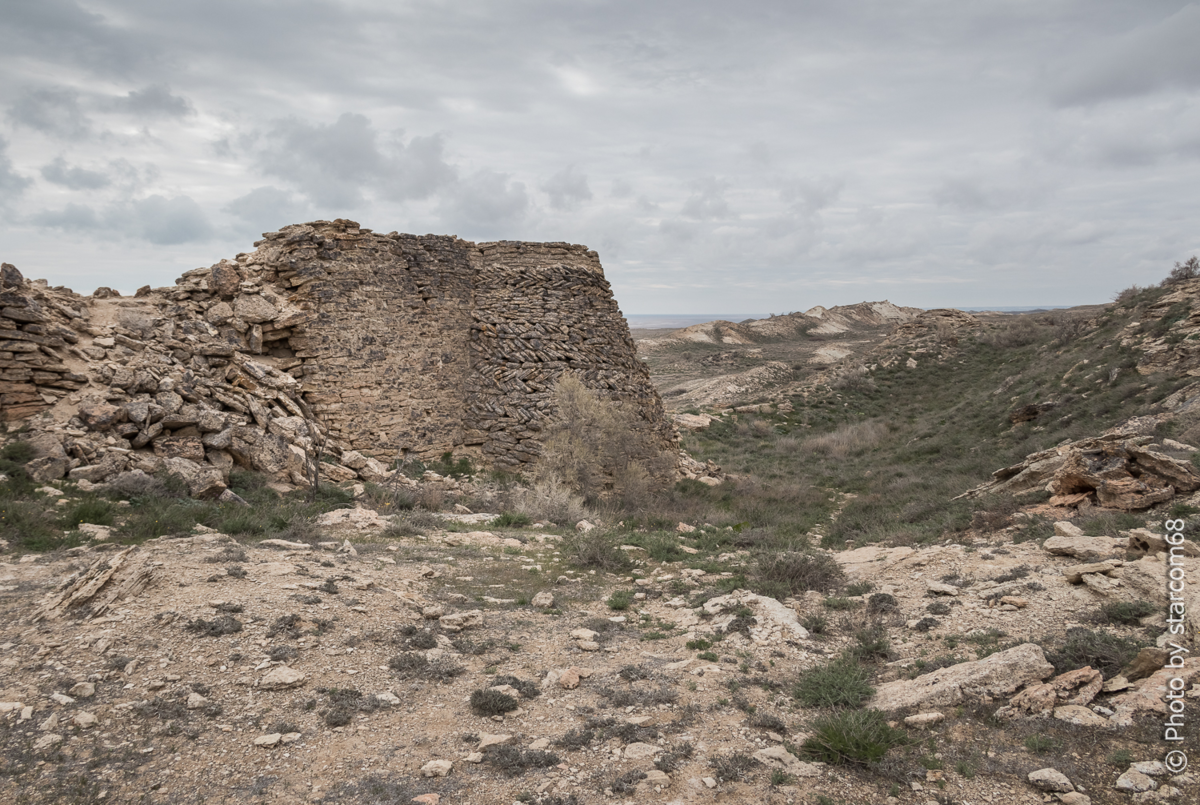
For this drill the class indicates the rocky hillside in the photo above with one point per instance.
(479, 664)
(935, 572)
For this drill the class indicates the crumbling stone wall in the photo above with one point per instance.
(389, 345)
(34, 329)
(419, 345)
(542, 309)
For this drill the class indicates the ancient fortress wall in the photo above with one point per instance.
(392, 345)
(419, 345)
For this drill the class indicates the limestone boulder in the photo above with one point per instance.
(189, 447)
(1150, 694)
(997, 675)
(1146, 579)
(203, 481)
(224, 279)
(1148, 660)
(1088, 548)
(47, 469)
(281, 677)
(254, 309)
(458, 621)
(100, 415)
(267, 453)
(111, 464)
(1050, 780)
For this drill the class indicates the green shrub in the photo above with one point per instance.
(815, 623)
(838, 602)
(447, 465)
(620, 600)
(18, 452)
(852, 736)
(1107, 653)
(27, 526)
(840, 683)
(1120, 759)
(870, 644)
(661, 546)
(1128, 613)
(511, 520)
(1040, 744)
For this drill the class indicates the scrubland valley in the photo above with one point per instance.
(895, 556)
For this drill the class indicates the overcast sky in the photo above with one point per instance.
(721, 156)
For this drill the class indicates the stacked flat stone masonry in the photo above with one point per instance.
(35, 333)
(379, 346)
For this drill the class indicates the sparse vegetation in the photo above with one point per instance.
(840, 683)
(1107, 653)
(1127, 613)
(489, 702)
(873, 455)
(786, 573)
(852, 736)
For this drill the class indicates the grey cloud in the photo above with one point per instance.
(265, 209)
(759, 153)
(71, 218)
(1144, 60)
(484, 204)
(73, 177)
(682, 231)
(419, 169)
(11, 183)
(169, 221)
(1127, 133)
(1027, 238)
(157, 219)
(708, 200)
(1007, 188)
(333, 164)
(645, 205)
(965, 194)
(621, 189)
(567, 189)
(813, 192)
(63, 30)
(51, 111)
(155, 100)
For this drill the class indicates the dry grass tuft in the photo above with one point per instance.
(849, 439)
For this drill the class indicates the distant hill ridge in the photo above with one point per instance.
(818, 320)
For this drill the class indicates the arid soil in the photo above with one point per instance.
(388, 639)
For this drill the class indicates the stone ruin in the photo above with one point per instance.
(380, 347)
